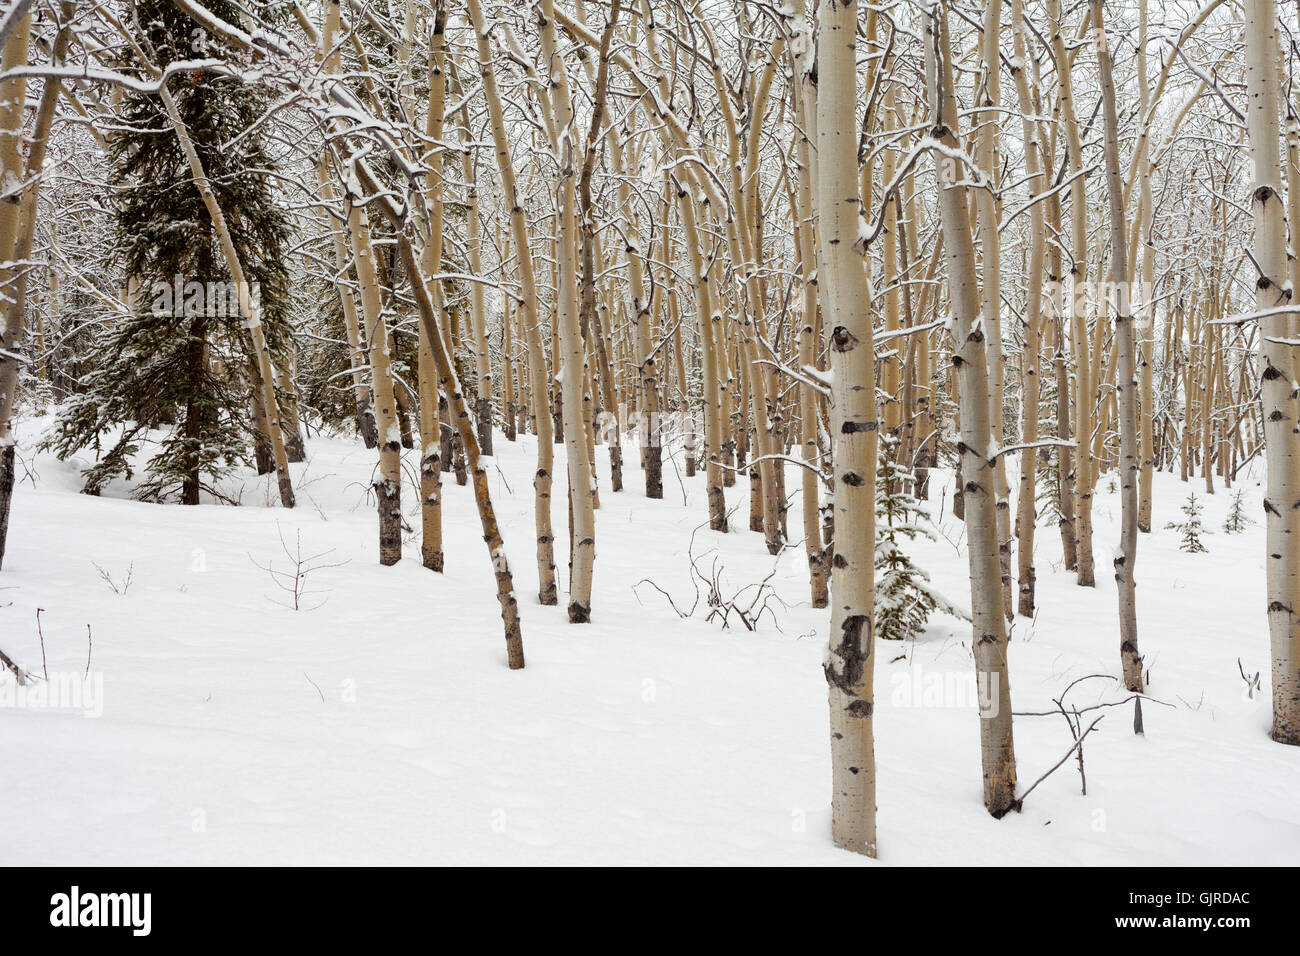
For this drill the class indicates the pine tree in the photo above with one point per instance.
(1236, 521)
(904, 597)
(181, 357)
(1190, 527)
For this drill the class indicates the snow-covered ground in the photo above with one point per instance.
(384, 727)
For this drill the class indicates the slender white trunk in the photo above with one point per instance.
(1125, 372)
(989, 638)
(850, 662)
(1278, 389)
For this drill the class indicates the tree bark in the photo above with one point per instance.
(539, 390)
(1125, 372)
(851, 660)
(989, 639)
(1273, 291)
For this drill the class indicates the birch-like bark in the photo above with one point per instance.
(709, 321)
(572, 372)
(477, 312)
(1125, 370)
(590, 324)
(1083, 383)
(970, 357)
(986, 209)
(1026, 515)
(538, 387)
(431, 553)
(13, 96)
(388, 480)
(365, 415)
(1272, 291)
(1146, 340)
(647, 370)
(804, 98)
(465, 427)
(851, 660)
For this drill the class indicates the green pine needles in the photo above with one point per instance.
(172, 372)
(905, 598)
(1190, 527)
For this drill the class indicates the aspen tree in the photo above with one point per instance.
(529, 319)
(851, 659)
(25, 203)
(13, 95)
(986, 208)
(647, 370)
(596, 335)
(1146, 341)
(510, 404)
(388, 481)
(465, 427)
(689, 450)
(709, 320)
(357, 360)
(749, 313)
(477, 309)
(970, 359)
(891, 372)
(365, 416)
(1029, 389)
(573, 370)
(1078, 302)
(1273, 292)
(431, 554)
(802, 209)
(1125, 370)
(295, 445)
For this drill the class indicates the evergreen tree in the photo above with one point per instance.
(1236, 521)
(1190, 527)
(904, 596)
(181, 358)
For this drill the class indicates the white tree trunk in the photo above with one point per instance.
(1273, 290)
(988, 637)
(851, 659)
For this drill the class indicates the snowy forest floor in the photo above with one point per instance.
(383, 726)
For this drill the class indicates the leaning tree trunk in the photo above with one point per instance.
(249, 310)
(538, 387)
(465, 427)
(1273, 292)
(989, 638)
(464, 423)
(850, 663)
